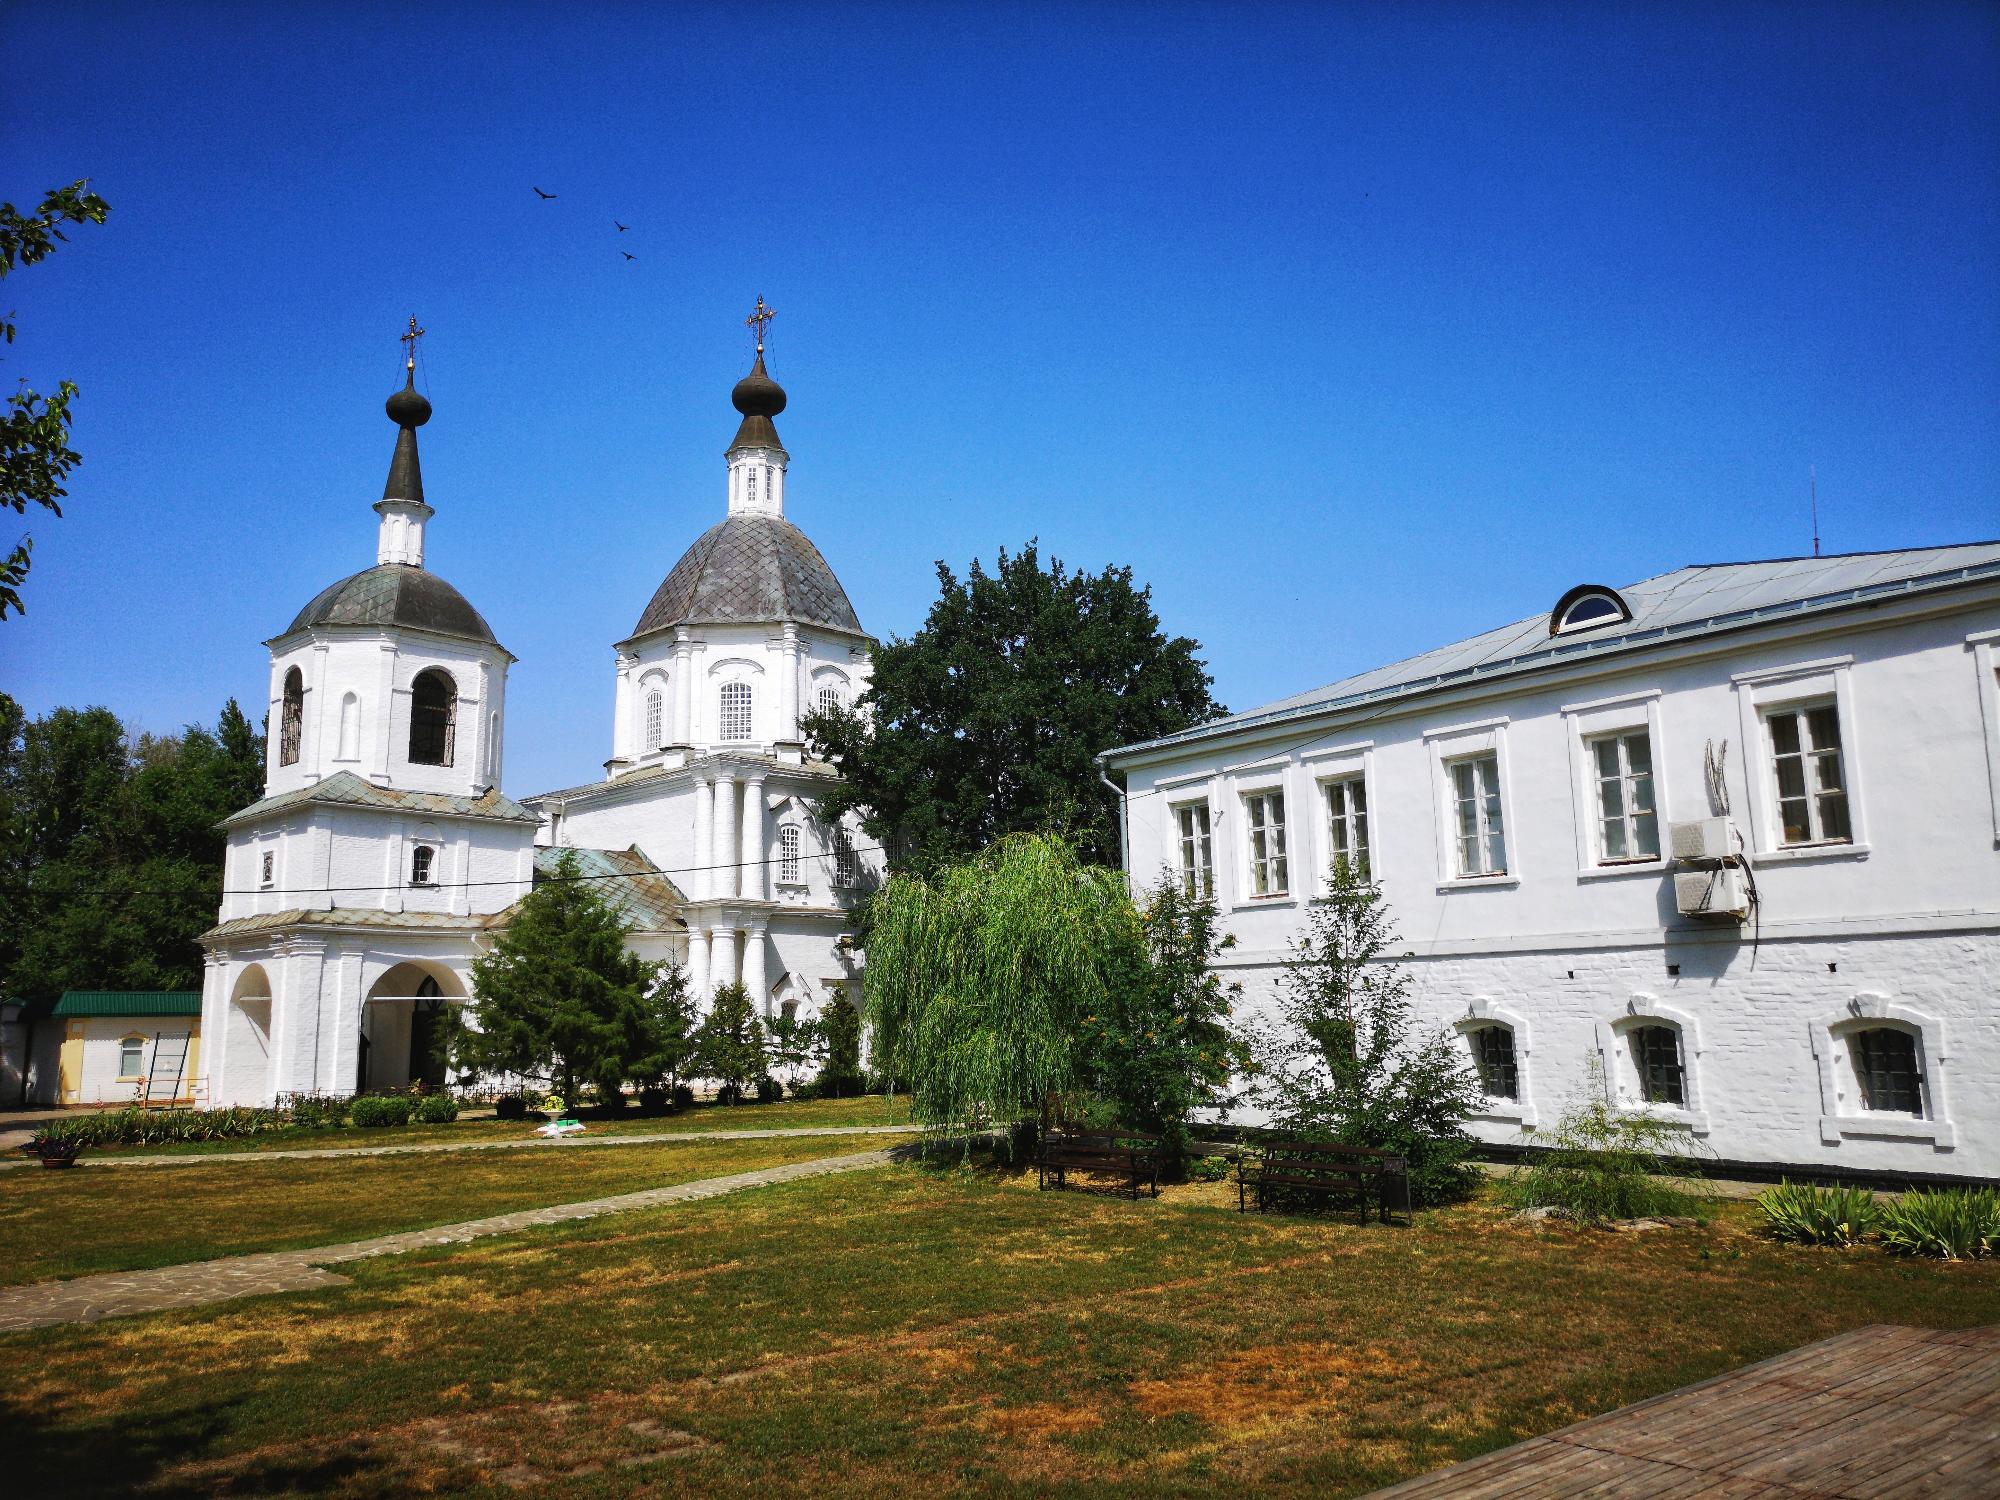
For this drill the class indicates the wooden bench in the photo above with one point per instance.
(1131, 1154)
(1313, 1168)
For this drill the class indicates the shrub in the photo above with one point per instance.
(1207, 1168)
(812, 1088)
(510, 1107)
(841, 1077)
(1602, 1164)
(372, 1110)
(1808, 1215)
(156, 1127)
(1952, 1223)
(769, 1090)
(318, 1111)
(683, 1096)
(611, 1098)
(436, 1109)
(653, 1100)
(729, 1093)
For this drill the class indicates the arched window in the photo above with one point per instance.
(350, 726)
(433, 714)
(1493, 1056)
(788, 854)
(1888, 1069)
(1656, 1059)
(845, 866)
(736, 719)
(830, 700)
(654, 737)
(1588, 606)
(422, 859)
(292, 718)
(131, 1056)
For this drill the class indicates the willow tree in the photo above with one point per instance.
(984, 981)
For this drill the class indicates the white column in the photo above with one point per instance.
(722, 958)
(624, 738)
(755, 977)
(698, 984)
(754, 884)
(788, 687)
(723, 876)
(683, 687)
(701, 880)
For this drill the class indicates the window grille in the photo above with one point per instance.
(829, 699)
(433, 716)
(654, 738)
(1482, 839)
(292, 718)
(1266, 817)
(1197, 851)
(1628, 824)
(845, 867)
(1347, 825)
(270, 860)
(421, 860)
(788, 855)
(736, 704)
(1493, 1055)
(1885, 1057)
(1812, 784)
(1656, 1055)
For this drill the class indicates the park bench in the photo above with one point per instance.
(1315, 1169)
(1131, 1154)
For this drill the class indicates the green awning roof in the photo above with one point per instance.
(128, 1003)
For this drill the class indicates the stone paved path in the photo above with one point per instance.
(573, 1142)
(118, 1294)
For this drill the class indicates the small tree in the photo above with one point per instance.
(674, 1024)
(561, 999)
(840, 1025)
(1161, 1045)
(796, 1045)
(731, 1045)
(1346, 1061)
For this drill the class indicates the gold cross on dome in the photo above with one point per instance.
(409, 343)
(756, 321)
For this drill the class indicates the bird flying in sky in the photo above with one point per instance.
(540, 194)
(621, 227)
(628, 254)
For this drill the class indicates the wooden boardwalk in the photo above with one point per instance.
(1877, 1414)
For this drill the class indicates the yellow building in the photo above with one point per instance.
(125, 1047)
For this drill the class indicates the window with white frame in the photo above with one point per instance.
(269, 868)
(654, 715)
(1889, 1070)
(131, 1056)
(1480, 835)
(736, 701)
(1627, 817)
(829, 699)
(1493, 1058)
(846, 868)
(1347, 824)
(788, 855)
(292, 718)
(1806, 768)
(1658, 1064)
(423, 860)
(1197, 850)
(1264, 820)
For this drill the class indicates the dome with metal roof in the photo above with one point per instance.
(396, 594)
(750, 570)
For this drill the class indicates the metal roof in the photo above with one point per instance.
(648, 900)
(350, 916)
(128, 1003)
(345, 789)
(395, 594)
(1703, 599)
(750, 570)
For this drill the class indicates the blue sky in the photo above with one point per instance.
(1352, 329)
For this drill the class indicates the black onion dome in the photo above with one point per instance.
(750, 570)
(408, 408)
(757, 394)
(409, 411)
(396, 594)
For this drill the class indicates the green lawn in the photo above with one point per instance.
(121, 1219)
(905, 1329)
(872, 1109)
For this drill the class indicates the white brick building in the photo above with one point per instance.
(1517, 795)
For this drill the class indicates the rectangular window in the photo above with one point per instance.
(1628, 821)
(1886, 1060)
(1656, 1055)
(131, 1056)
(1482, 840)
(1347, 824)
(1197, 853)
(1265, 814)
(1812, 787)
(1493, 1055)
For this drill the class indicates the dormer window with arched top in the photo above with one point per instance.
(292, 718)
(1588, 606)
(433, 710)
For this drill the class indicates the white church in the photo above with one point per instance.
(383, 857)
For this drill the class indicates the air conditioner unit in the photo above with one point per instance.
(1712, 893)
(1702, 839)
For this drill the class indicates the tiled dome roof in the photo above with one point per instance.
(396, 594)
(750, 570)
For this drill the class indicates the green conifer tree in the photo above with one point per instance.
(731, 1048)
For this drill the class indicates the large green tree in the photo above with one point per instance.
(110, 854)
(561, 999)
(730, 1047)
(35, 455)
(986, 721)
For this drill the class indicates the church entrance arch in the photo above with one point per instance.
(246, 1043)
(402, 1024)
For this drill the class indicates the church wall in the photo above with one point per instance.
(1908, 913)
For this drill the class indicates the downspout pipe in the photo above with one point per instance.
(1124, 839)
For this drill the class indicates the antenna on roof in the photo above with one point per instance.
(1813, 479)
